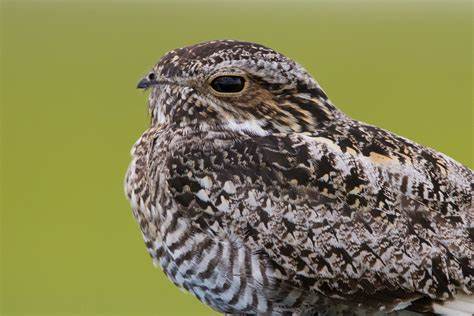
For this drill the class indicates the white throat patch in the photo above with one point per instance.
(250, 126)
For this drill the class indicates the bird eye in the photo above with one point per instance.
(228, 84)
(151, 76)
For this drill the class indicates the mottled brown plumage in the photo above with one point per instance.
(271, 200)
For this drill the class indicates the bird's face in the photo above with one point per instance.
(234, 85)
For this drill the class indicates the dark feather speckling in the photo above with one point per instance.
(273, 201)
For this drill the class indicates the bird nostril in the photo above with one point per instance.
(152, 76)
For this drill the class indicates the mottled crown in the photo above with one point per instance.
(279, 94)
(204, 58)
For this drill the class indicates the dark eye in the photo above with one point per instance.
(228, 84)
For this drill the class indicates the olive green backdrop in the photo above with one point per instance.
(70, 113)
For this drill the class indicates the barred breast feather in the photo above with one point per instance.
(282, 220)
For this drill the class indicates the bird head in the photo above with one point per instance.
(235, 85)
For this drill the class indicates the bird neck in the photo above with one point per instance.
(301, 109)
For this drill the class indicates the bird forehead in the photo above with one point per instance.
(206, 57)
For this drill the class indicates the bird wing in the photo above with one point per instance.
(338, 222)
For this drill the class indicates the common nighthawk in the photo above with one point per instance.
(257, 195)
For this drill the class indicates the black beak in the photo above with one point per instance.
(145, 83)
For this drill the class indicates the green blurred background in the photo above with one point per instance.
(70, 113)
